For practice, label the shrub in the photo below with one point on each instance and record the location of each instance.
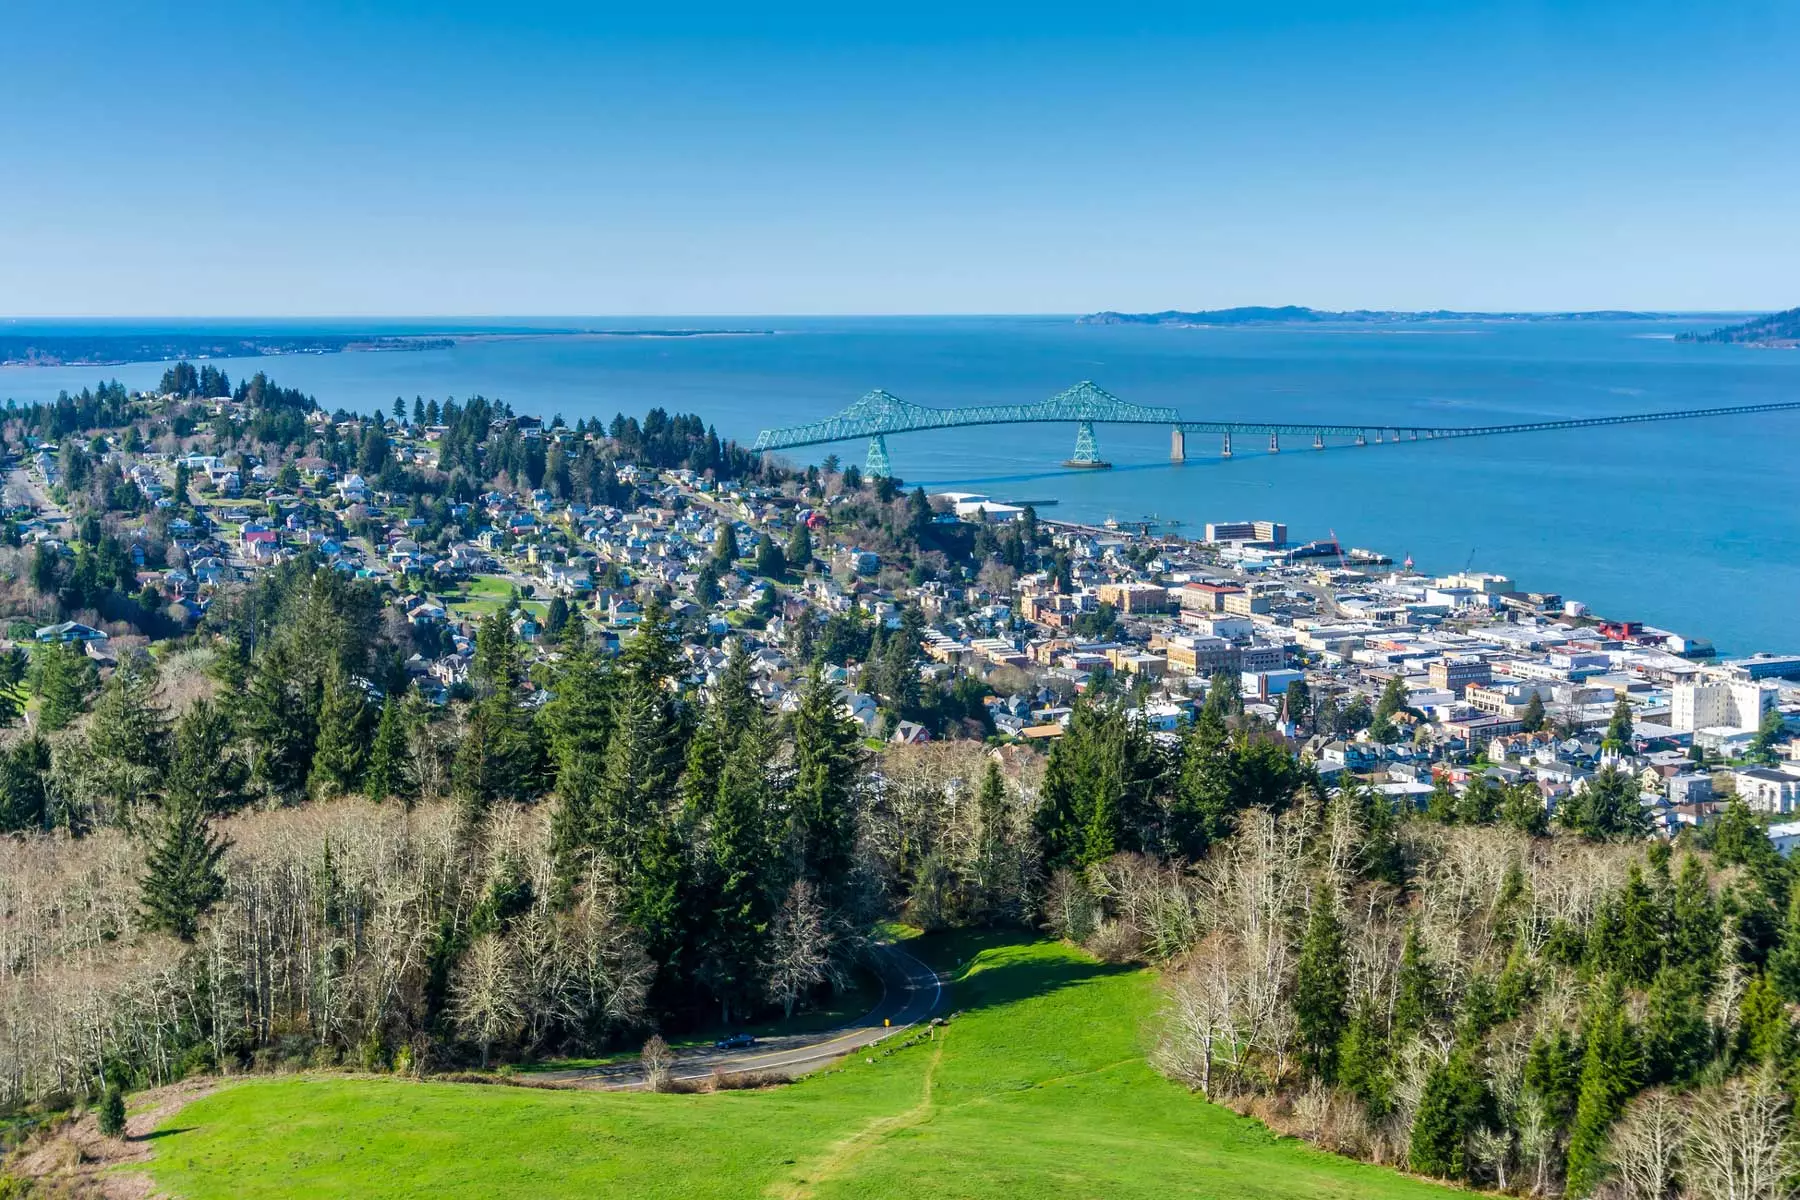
(112, 1111)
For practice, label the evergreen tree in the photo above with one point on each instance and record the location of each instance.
(24, 800)
(181, 880)
(643, 754)
(1456, 1103)
(1203, 809)
(1608, 809)
(1619, 730)
(111, 1117)
(205, 768)
(737, 861)
(1480, 802)
(338, 751)
(1611, 1071)
(1321, 987)
(800, 548)
(1694, 925)
(1522, 808)
(1677, 1037)
(278, 713)
(1419, 1002)
(725, 547)
(389, 770)
(1442, 805)
(63, 678)
(1765, 1031)
(1532, 720)
(821, 832)
(1365, 1060)
(556, 617)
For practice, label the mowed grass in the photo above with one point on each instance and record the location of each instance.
(1039, 1088)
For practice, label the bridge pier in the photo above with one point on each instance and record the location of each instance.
(1087, 449)
(1361, 440)
(875, 463)
(1318, 441)
(1177, 445)
(1225, 448)
(1274, 442)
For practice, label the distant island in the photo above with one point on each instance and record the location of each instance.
(1293, 314)
(108, 349)
(1777, 330)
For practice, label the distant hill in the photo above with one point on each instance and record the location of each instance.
(1293, 314)
(1780, 330)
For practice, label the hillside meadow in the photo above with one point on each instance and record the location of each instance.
(1038, 1087)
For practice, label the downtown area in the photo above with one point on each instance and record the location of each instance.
(452, 743)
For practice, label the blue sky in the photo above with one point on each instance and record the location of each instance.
(458, 158)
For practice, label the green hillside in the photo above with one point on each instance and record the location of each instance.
(1039, 1088)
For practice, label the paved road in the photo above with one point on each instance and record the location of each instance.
(911, 993)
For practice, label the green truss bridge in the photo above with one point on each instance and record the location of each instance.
(1085, 405)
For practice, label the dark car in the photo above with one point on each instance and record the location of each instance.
(737, 1041)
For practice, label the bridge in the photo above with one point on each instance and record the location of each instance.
(880, 413)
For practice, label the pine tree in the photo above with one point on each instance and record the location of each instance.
(181, 880)
(643, 754)
(1522, 808)
(1442, 805)
(1480, 802)
(1611, 1070)
(389, 770)
(338, 751)
(993, 882)
(738, 860)
(279, 717)
(1766, 1033)
(1694, 929)
(1321, 987)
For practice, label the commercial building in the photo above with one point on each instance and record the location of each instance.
(1767, 791)
(1207, 597)
(1273, 532)
(1454, 674)
(1720, 704)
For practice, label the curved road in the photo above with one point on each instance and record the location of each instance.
(911, 993)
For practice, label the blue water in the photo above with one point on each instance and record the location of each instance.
(1687, 525)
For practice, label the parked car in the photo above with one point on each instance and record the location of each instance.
(737, 1041)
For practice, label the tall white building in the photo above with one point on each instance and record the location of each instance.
(1720, 704)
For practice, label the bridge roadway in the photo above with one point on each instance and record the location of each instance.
(880, 413)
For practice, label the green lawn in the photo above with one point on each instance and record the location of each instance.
(1038, 1089)
(487, 594)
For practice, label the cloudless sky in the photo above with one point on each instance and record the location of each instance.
(274, 158)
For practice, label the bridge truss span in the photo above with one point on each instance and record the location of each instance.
(880, 413)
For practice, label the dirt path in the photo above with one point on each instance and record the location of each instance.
(76, 1160)
(843, 1155)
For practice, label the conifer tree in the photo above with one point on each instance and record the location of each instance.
(24, 801)
(821, 826)
(1532, 720)
(63, 678)
(1522, 808)
(1419, 1001)
(725, 547)
(643, 754)
(738, 860)
(800, 548)
(1619, 729)
(1321, 987)
(1611, 1070)
(1677, 1037)
(181, 880)
(1364, 1060)
(1694, 929)
(1203, 809)
(1480, 802)
(205, 767)
(388, 774)
(338, 750)
(1455, 1104)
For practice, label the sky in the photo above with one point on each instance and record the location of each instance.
(453, 158)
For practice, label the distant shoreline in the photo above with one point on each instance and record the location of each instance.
(25, 352)
(1293, 314)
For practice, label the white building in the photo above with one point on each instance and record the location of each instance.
(1767, 791)
(1720, 704)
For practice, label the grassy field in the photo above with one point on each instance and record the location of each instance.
(1038, 1088)
(487, 594)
